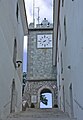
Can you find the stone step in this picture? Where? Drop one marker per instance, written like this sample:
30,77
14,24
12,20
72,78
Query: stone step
40,114
39,118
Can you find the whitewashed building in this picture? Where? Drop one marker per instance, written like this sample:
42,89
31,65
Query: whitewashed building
68,55
13,27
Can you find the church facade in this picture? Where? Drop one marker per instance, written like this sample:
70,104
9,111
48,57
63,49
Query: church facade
13,27
41,74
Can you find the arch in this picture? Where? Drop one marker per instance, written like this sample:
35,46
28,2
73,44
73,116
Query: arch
71,100
63,99
45,89
17,11
13,97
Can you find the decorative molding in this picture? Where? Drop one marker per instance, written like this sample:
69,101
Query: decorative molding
39,80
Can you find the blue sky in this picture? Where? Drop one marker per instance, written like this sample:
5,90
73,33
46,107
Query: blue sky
49,97
46,11
25,55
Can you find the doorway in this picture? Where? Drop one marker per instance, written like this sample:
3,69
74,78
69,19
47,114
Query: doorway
13,97
46,98
49,101
63,99
71,101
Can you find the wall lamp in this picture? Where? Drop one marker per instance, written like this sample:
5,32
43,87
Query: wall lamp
69,67
62,78
18,63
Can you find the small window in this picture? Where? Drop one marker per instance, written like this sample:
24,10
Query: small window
62,3
65,32
59,83
60,35
59,32
58,56
61,63
15,52
17,11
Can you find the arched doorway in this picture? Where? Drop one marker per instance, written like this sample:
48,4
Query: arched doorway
13,97
48,97
71,100
63,99
48,93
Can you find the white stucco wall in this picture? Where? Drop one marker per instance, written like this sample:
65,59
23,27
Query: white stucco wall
72,56
9,29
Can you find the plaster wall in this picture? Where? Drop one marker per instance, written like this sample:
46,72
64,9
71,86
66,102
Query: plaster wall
72,56
9,30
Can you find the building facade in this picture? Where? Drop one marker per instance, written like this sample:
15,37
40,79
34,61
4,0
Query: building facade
41,75
68,55
13,27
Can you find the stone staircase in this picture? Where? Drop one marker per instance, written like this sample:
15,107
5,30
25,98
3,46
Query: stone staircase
40,114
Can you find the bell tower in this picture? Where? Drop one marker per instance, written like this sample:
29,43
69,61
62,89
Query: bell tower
41,74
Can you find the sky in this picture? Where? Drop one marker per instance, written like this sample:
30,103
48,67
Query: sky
46,11
25,55
49,97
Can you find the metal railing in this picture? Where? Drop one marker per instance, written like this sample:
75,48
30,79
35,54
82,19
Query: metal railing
81,107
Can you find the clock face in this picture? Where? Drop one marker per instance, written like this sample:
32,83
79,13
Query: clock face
44,41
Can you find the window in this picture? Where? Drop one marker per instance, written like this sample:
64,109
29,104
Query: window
65,32
62,3
17,11
15,52
59,32
59,83
58,56
61,63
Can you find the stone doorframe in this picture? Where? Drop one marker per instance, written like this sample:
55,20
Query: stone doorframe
45,87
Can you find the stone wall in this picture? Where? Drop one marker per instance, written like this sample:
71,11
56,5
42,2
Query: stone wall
34,88
39,60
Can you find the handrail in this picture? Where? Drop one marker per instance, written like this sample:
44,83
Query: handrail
81,107
7,103
10,102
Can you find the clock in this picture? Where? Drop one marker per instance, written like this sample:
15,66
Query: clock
44,41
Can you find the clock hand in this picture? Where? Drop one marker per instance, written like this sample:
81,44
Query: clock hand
44,41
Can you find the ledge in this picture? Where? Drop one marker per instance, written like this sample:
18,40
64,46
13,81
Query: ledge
31,80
